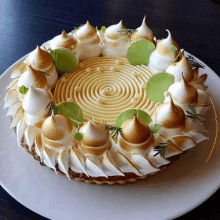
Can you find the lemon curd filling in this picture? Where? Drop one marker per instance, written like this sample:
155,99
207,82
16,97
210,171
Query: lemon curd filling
103,87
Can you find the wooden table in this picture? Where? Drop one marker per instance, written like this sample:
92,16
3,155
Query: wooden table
195,25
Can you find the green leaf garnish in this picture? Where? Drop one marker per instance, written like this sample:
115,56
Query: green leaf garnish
173,49
126,114
23,89
114,130
64,60
157,85
161,148
128,31
139,52
103,29
193,63
155,128
72,111
78,136
194,117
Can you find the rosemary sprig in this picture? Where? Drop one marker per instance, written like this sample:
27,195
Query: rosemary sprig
127,31
193,114
193,63
161,148
52,108
114,130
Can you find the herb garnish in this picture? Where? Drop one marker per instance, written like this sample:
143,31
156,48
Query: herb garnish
161,148
52,108
114,130
193,114
174,49
155,130
78,136
127,31
193,63
23,89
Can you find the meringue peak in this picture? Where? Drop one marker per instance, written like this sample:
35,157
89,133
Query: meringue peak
143,32
183,93
95,134
163,47
64,34
55,127
87,31
169,115
135,130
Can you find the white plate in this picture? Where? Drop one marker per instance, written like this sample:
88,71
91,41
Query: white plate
187,183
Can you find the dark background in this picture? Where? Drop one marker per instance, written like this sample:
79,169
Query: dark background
194,24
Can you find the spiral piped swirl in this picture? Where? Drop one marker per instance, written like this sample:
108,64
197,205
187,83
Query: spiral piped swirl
103,87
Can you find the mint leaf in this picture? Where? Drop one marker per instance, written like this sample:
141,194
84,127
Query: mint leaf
157,85
139,52
78,136
103,29
173,48
72,111
23,89
155,128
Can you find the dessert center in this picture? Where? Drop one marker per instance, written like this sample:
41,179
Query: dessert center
105,86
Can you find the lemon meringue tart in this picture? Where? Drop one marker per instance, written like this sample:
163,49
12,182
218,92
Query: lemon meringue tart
108,106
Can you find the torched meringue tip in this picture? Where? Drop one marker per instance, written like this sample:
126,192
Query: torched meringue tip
95,134
86,32
55,127
163,47
135,130
183,93
169,115
143,32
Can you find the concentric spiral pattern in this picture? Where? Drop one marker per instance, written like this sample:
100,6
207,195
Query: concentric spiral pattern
103,87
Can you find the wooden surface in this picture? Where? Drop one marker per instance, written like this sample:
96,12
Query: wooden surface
194,24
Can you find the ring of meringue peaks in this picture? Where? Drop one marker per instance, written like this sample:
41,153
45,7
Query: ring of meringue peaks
135,136
96,138
89,41
163,57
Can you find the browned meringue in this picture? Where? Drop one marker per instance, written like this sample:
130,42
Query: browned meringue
64,41
183,93
143,32
58,132
181,67
169,115
96,139
135,135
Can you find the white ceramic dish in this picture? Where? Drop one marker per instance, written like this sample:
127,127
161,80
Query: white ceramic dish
187,183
